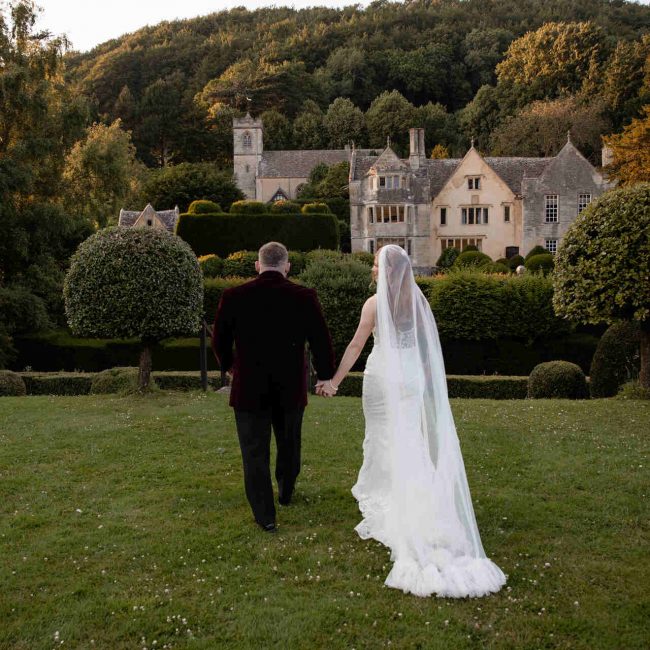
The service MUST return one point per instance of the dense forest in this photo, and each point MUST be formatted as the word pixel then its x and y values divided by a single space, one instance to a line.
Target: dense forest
pixel 513 74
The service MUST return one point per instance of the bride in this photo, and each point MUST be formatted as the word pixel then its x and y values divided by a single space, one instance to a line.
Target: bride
pixel 412 489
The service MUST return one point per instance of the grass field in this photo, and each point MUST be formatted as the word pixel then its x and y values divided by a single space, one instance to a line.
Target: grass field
pixel 124 525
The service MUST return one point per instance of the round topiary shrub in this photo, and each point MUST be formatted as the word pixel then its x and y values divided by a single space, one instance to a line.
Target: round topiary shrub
pixel 316 208
pixel 447 258
pixel 285 207
pixel 140 283
pixel 470 247
pixel 297 261
pixel 11 384
pixel 204 207
pixel 240 264
pixel 365 257
pixel 248 207
pixel 536 250
pixel 123 381
pixel 543 262
pixel 616 359
pixel 496 267
pixel 515 261
pixel 211 265
pixel 470 259
pixel 557 379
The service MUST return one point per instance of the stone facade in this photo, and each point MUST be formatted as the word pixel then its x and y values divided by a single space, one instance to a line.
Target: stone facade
pixel 504 205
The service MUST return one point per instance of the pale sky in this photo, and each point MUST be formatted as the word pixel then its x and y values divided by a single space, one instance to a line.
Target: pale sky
pixel 91 22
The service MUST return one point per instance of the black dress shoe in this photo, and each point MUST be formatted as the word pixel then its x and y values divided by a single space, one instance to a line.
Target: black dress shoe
pixel 284 501
pixel 269 528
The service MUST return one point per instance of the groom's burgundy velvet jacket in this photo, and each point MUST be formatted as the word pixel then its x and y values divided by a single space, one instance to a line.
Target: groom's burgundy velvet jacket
pixel 269 319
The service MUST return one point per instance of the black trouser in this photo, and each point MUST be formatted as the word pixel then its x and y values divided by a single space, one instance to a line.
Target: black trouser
pixel 254 431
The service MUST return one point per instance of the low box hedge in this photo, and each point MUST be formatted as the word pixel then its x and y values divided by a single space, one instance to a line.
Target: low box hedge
pixel 481 386
pixel 79 383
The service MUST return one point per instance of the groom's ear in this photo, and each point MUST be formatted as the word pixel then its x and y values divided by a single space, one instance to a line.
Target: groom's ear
pixel 287 268
pixel 257 266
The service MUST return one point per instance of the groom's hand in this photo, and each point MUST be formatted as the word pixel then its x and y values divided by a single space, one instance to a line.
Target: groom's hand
pixel 319 387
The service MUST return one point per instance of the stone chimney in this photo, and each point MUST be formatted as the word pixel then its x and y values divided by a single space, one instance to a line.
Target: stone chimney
pixel 607 155
pixel 417 153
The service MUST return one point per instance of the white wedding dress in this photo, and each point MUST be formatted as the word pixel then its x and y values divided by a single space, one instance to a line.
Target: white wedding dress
pixel 412 488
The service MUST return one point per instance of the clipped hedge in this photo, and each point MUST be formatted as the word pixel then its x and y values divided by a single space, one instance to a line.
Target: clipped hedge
pixel 11 384
pixel 223 234
pixel 557 379
pixel 248 207
pixel 284 207
pixel 315 208
pixel 471 259
pixel 211 265
pixel 240 264
pixel 542 262
pixel 481 387
pixel 123 381
pixel 203 207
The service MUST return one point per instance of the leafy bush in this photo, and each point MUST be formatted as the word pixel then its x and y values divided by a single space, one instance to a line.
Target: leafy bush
pixel 616 359
pixel 343 287
pixel 228 233
pixel 515 261
pixel 21 311
pixel 247 206
pixel 470 247
pixel 322 255
pixel 471 305
pixel 470 259
pixel 315 208
pixel 204 207
pixel 297 261
pixel 213 289
pixel 211 265
pixel 447 258
pixel 543 262
pixel 496 267
pixel 557 379
pixel 123 381
pixel 11 384
pixel 182 184
pixel 633 390
pixel 284 207
pixel 365 257
pixel 536 250
pixel 240 264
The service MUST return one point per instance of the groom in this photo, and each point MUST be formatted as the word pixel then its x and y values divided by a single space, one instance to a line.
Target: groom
pixel 268 320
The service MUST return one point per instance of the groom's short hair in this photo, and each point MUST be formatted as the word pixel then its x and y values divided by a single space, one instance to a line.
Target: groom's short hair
pixel 273 255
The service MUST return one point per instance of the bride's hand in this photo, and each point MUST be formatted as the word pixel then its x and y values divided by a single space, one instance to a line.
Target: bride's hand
pixel 328 389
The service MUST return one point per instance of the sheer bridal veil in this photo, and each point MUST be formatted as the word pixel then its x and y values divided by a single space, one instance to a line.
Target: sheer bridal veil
pixel 428 519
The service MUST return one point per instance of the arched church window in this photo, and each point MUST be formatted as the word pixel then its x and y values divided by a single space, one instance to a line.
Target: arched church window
pixel 248 142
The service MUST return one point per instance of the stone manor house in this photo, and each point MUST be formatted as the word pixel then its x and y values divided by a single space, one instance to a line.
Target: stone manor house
pixel 504 206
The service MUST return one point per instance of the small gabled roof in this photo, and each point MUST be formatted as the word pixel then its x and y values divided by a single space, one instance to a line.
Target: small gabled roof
pixel 388 160
pixel 168 218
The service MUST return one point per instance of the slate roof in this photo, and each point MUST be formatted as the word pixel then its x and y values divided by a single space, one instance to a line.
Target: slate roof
pixel 168 217
pixel 299 163
pixel 514 170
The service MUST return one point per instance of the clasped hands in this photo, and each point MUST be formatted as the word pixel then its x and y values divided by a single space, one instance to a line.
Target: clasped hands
pixel 325 388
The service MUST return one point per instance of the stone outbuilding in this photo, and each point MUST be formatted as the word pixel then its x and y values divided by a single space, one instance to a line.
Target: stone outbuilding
pixel 149 218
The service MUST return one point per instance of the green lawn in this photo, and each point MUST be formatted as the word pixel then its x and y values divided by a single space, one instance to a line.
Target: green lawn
pixel 124 525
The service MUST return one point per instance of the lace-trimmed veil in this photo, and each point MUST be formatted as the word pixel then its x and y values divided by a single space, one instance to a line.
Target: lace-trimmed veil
pixel 429 521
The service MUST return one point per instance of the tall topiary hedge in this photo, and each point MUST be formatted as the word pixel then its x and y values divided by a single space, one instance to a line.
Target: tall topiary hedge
pixel 616 359
pixel 134 283
pixel 225 234
pixel 204 207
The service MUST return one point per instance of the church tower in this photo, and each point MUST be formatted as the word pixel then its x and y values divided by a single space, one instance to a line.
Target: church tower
pixel 247 152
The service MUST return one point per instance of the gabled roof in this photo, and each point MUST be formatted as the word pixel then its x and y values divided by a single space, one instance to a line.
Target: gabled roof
pixel 439 171
pixel 168 218
pixel 299 163
pixel 514 170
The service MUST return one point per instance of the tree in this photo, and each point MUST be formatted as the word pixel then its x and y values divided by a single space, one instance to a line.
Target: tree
pixel 439 126
pixel 181 184
pixel 308 128
pixel 277 131
pixel 540 129
pixel 484 48
pixel 631 152
pixel 439 152
pixel 345 123
pixel 335 182
pixel 390 116
pixel 554 59
pixel 140 283
pixel 349 73
pixel 100 172
pixel 602 268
